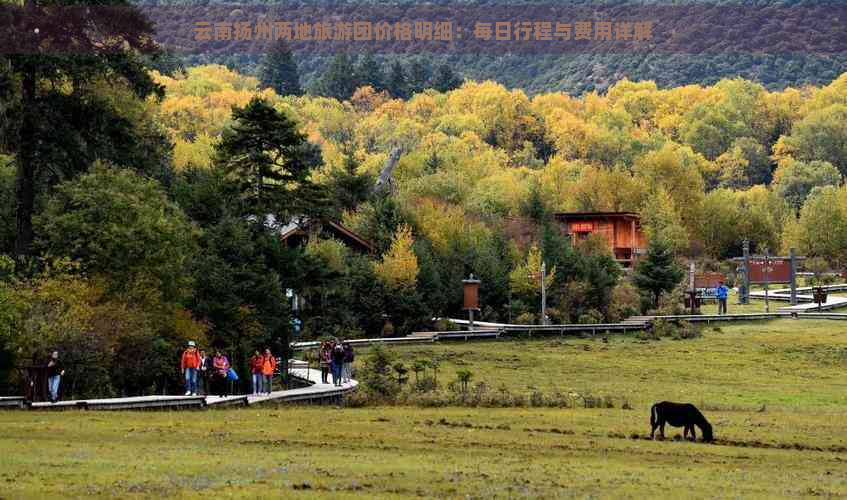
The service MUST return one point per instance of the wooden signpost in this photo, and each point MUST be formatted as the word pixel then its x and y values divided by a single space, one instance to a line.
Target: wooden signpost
pixel 766 269
pixel 471 298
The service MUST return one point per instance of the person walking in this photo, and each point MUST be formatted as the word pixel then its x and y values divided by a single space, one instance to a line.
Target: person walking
pixel 347 369
pixel 325 359
pixel 337 363
pixel 203 375
pixel 189 364
pixel 55 371
pixel 268 369
pixel 722 293
pixel 256 368
pixel 220 368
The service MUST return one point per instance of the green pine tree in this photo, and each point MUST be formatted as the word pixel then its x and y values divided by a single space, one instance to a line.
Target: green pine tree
pixel 397 84
pixel 271 160
pixel 61 129
pixel 419 75
pixel 349 188
pixel 369 72
pixel 658 272
pixel 339 79
pixel 279 71
pixel 445 79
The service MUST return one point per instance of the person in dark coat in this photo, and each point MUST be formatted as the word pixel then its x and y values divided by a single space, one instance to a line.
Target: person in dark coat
pixel 205 370
pixel 55 371
pixel 325 359
pixel 347 369
pixel 337 363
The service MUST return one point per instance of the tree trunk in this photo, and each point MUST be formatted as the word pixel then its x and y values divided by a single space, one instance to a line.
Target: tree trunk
pixel 25 175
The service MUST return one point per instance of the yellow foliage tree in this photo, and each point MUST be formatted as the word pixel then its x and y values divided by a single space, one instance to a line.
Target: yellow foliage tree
pixel 399 266
pixel 525 278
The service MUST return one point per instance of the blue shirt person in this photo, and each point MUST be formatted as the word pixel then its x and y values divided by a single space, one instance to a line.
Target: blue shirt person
pixel 721 293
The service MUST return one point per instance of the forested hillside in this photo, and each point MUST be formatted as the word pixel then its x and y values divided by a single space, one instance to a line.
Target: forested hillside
pixel 150 227
pixel 576 74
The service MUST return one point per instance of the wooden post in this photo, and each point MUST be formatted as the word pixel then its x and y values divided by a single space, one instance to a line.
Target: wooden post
pixel 793 257
pixel 471 298
pixel 745 294
pixel 543 295
pixel 767 264
pixel 692 290
pixel 632 243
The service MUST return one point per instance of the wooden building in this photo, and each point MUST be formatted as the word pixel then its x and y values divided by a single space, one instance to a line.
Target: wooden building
pixel 622 230
pixel 298 233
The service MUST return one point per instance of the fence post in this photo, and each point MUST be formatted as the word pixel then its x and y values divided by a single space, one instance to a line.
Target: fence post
pixel 792 254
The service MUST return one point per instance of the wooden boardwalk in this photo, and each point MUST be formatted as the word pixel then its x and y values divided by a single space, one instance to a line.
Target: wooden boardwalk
pixel 314 392
pixel 319 392
pixel 804 295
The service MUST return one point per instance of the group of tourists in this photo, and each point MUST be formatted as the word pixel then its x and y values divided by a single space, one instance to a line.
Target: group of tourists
pixel 215 374
pixel 336 358
pixel 263 366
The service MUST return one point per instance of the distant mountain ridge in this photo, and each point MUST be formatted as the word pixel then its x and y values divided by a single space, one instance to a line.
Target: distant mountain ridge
pixel 576 74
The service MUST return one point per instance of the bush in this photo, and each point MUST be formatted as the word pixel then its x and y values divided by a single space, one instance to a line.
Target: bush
pixel 670 329
pixel 537 399
pixel 663 328
pixel 443 325
pixel 426 383
pixel 526 318
pixel 590 317
pixel 688 330
pixel 377 377
pixel 625 302
pixel 672 303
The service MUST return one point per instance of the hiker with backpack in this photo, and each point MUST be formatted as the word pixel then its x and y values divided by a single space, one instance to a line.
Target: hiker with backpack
pixel 337 363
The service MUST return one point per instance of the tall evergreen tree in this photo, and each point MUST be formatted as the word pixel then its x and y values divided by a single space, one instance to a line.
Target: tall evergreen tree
pixel 419 75
pixel 272 160
pixel 339 79
pixel 66 127
pixel 279 71
pixel 397 84
pixel 445 79
pixel 658 272
pixel 369 72
pixel 349 188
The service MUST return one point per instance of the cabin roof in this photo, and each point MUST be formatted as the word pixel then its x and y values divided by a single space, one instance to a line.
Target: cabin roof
pixel 301 225
pixel 566 216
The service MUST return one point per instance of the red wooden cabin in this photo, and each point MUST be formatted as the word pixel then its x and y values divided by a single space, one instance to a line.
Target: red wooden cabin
pixel 622 230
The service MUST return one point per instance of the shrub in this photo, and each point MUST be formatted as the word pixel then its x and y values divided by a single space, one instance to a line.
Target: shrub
pixel 426 383
pixel 664 328
pixel 377 378
pixel 590 317
pixel 537 399
pixel 625 302
pixel 688 330
pixel 463 377
pixel 443 325
pixel 672 303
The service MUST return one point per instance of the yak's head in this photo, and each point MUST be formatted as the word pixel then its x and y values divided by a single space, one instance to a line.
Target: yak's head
pixel 706 428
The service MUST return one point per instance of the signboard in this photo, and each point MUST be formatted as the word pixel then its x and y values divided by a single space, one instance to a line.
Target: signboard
pixel 779 270
pixel 582 227
pixel 706 284
pixel 471 294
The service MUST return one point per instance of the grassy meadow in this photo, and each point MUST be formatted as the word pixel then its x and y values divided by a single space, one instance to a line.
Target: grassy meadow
pixel 775 393
pixel 795 365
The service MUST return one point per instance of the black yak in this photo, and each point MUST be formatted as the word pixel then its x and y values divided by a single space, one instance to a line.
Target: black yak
pixel 684 415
